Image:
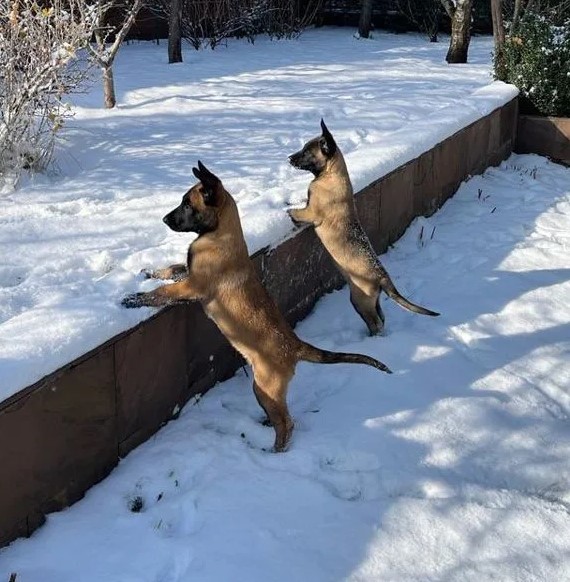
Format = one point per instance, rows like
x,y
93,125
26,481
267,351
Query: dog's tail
x,y
310,353
390,289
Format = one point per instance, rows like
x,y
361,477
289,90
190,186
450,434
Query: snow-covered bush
x,y
39,67
536,58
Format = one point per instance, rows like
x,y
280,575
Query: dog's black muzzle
x,y
296,160
172,221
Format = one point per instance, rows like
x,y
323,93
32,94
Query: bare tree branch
x,y
425,14
127,23
449,7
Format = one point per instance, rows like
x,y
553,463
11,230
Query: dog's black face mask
x,y
187,218
198,210
315,153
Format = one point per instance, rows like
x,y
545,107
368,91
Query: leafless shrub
x,y
425,14
211,22
40,64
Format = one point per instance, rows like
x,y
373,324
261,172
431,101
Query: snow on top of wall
x,y
72,244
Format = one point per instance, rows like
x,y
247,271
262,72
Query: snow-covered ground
x,y
455,468
72,245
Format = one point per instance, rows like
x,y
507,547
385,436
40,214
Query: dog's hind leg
x,y
380,312
271,396
368,307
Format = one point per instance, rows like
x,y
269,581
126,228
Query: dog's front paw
x,y
134,300
296,222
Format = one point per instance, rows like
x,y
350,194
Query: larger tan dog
x,y
220,274
331,210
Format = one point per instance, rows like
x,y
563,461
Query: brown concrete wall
x,y
65,433
547,136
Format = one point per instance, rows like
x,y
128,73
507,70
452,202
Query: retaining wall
x,y
66,432
547,136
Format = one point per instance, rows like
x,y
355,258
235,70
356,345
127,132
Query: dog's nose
x,y
165,219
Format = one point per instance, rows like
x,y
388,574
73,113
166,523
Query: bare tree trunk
x,y
109,87
498,24
521,8
104,56
365,21
460,15
499,37
516,13
174,32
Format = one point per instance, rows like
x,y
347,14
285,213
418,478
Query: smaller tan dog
x,y
220,274
331,210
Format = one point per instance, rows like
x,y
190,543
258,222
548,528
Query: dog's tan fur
x,y
220,275
332,211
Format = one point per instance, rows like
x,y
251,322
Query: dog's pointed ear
x,y
327,142
210,182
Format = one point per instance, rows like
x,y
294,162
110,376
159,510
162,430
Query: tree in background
x,y
498,36
104,51
175,32
425,14
459,11
365,21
